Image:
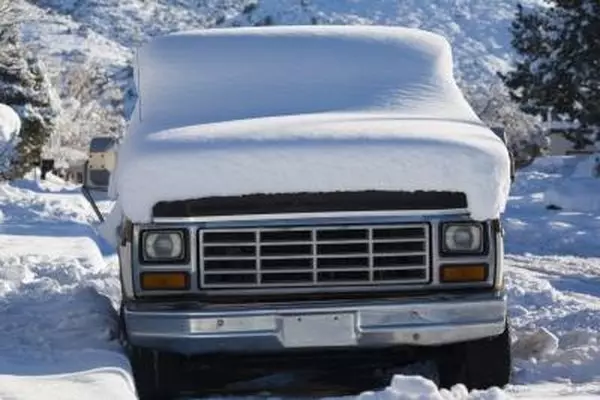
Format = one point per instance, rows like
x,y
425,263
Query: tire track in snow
x,y
554,305
569,275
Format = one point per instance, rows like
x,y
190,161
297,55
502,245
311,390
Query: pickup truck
x,y
309,190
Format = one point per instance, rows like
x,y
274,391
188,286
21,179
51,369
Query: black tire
x,y
479,364
156,374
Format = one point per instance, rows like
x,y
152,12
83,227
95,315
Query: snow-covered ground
x,y
59,289
553,280
579,193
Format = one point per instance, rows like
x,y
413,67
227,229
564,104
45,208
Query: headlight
x,y
166,246
463,238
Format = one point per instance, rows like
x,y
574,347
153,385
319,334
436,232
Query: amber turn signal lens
x,y
463,273
165,281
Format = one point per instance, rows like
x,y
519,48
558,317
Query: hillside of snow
x,y
478,30
106,32
59,292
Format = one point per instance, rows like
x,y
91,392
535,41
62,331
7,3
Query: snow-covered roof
x,y
219,75
10,123
288,109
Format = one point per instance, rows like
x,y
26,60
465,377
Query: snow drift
x,y
579,192
304,109
59,295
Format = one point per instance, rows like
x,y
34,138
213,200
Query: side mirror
x,y
86,189
98,169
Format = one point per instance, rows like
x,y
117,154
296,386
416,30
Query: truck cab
x,y
250,221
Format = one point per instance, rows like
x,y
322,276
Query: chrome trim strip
x,y
315,256
126,270
305,216
323,256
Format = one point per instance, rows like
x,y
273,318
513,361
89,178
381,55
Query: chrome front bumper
x,y
424,321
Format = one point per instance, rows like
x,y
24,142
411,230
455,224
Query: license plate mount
x,y
319,330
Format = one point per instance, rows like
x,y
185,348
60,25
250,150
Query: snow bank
x,y
562,165
304,109
554,304
417,388
535,344
103,383
580,191
581,195
533,229
587,167
58,299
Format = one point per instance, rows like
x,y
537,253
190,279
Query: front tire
x,y
156,374
478,364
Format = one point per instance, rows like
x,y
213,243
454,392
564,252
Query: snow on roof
x,y
10,123
218,75
289,109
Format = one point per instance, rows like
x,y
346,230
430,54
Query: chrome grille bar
x,y
314,256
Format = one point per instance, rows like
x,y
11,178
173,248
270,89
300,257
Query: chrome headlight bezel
x,y
181,258
480,230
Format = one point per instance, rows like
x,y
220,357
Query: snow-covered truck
x,y
288,190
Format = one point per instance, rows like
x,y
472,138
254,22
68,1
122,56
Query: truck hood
x,y
330,152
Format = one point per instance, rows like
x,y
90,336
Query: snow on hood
x,y
10,124
304,109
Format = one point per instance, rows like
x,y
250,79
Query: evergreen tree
x,y
558,63
92,105
24,85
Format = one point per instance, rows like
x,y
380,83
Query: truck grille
x,y
308,257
